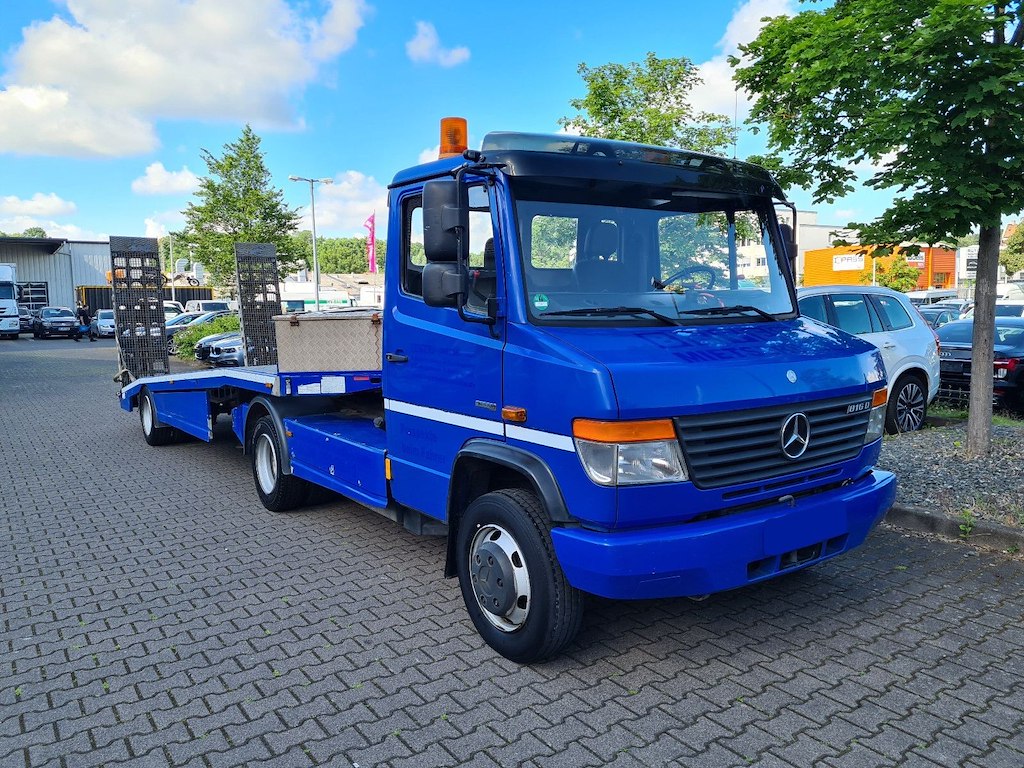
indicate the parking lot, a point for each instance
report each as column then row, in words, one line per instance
column 154, row 614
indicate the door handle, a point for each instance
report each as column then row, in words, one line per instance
column 391, row 357
column 888, row 345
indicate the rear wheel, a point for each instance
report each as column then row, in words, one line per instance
column 154, row 434
column 278, row 492
column 514, row 589
column 908, row 405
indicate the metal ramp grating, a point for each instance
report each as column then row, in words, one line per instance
column 137, row 283
column 259, row 299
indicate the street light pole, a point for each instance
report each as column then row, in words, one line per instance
column 312, row 216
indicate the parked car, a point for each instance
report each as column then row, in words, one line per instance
column 173, row 327
column 1008, row 365
column 962, row 306
column 937, row 315
column 227, row 351
column 55, row 321
column 175, row 305
column 103, row 323
column 1010, row 308
column 24, row 319
column 204, row 347
column 887, row 319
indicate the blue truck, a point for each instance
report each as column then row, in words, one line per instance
column 593, row 378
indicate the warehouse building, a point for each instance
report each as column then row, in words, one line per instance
column 50, row 269
column 850, row 265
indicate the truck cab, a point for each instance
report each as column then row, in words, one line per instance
column 576, row 328
column 10, row 321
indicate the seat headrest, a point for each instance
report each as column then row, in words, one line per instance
column 602, row 241
column 489, row 253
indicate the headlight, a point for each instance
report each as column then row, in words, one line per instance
column 876, row 421
column 629, row 452
column 229, row 350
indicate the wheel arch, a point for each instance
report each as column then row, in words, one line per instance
column 278, row 410
column 482, row 466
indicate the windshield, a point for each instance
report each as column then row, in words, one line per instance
column 6, row 291
column 629, row 253
column 105, row 314
column 57, row 313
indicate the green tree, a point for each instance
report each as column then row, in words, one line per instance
column 238, row 205
column 648, row 102
column 337, row 255
column 898, row 275
column 34, row 232
column 1012, row 256
column 929, row 92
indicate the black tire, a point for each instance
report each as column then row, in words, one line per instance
column 504, row 538
column 153, row 434
column 278, row 492
column 908, row 405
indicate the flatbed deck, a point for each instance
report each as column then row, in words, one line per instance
column 190, row 400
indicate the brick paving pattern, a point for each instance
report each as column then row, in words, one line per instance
column 154, row 614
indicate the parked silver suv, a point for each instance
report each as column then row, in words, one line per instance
column 888, row 320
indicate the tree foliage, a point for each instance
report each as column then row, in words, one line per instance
column 648, row 102
column 30, row 232
column 337, row 255
column 897, row 274
column 1012, row 257
column 927, row 93
column 237, row 204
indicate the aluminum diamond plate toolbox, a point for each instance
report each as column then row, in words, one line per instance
column 345, row 340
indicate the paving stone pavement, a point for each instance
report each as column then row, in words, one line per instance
column 154, row 614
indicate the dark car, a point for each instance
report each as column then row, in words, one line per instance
column 185, row 320
column 24, row 319
column 55, row 321
column 1008, row 366
column 937, row 316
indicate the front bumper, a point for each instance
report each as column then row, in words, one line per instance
column 10, row 325
column 724, row 553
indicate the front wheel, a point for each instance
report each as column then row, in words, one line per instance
column 908, row 405
column 514, row 589
column 278, row 492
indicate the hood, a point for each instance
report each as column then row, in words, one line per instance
column 215, row 337
column 669, row 371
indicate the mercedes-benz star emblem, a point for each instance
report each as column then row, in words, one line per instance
column 795, row 436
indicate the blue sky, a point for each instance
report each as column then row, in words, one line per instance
column 107, row 104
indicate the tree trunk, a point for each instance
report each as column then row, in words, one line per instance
column 979, row 419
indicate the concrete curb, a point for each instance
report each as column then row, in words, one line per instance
column 983, row 533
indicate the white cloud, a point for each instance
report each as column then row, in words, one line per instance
column 425, row 48
column 718, row 92
column 159, row 181
column 160, row 223
column 94, row 83
column 429, row 155
column 19, row 223
column 37, row 205
column 342, row 207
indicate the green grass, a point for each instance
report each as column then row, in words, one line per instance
column 953, row 413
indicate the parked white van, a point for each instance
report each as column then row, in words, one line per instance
column 207, row 305
column 930, row 296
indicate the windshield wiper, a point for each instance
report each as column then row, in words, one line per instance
column 728, row 311
column 585, row 311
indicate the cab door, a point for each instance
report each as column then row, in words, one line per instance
column 442, row 375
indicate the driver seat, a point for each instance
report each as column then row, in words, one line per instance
column 595, row 269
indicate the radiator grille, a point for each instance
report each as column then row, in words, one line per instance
column 736, row 447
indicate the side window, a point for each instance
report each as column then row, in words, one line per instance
column 814, row 307
column 553, row 242
column 413, row 256
column 892, row 313
column 483, row 277
column 853, row 314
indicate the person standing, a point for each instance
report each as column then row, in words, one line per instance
column 84, row 320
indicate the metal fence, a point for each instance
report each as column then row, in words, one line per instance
column 259, row 299
column 137, row 291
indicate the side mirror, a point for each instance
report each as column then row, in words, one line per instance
column 444, row 220
column 790, row 243
column 444, row 284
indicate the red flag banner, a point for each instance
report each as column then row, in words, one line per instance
column 371, row 243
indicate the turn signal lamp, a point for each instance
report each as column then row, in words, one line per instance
column 615, row 453
column 454, row 137
column 876, row 420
